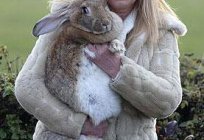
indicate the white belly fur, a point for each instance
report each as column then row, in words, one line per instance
column 94, row 94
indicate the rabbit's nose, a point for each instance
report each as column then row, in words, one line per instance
column 106, row 25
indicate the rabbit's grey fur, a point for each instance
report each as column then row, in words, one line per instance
column 69, row 75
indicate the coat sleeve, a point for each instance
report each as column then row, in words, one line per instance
column 34, row 97
column 156, row 92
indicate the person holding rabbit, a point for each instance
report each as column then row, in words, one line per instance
column 146, row 78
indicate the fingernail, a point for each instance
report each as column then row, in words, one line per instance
column 89, row 53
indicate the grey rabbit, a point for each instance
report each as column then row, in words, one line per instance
column 69, row 75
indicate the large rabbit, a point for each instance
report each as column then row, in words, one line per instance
column 70, row 76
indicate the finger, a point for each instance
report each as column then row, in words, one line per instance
column 91, row 47
column 89, row 54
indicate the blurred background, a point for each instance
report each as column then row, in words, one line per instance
column 17, row 18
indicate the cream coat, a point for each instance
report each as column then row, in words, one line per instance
column 148, row 82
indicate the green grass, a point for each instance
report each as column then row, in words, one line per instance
column 191, row 12
column 17, row 18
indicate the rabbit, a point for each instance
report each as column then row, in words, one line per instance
column 69, row 75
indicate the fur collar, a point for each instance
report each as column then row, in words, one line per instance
column 170, row 22
column 128, row 25
column 135, row 44
column 174, row 24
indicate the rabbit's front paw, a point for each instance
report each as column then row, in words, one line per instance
column 117, row 47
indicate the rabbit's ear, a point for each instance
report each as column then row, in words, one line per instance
column 49, row 23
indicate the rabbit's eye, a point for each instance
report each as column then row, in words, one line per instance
column 85, row 10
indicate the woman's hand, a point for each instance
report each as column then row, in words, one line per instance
column 109, row 62
column 90, row 129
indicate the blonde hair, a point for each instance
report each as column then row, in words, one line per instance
column 149, row 17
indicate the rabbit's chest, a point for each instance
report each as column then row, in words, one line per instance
column 93, row 92
column 78, row 82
